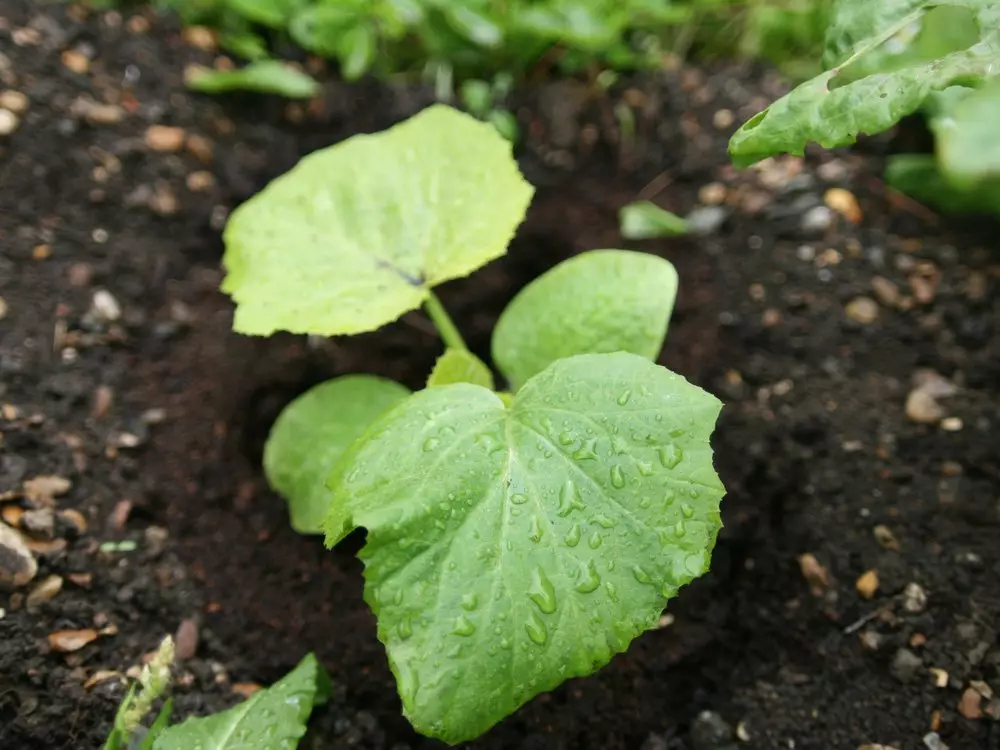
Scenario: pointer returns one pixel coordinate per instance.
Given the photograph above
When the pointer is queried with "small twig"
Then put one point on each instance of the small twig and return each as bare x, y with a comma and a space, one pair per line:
902, 201
857, 625
655, 186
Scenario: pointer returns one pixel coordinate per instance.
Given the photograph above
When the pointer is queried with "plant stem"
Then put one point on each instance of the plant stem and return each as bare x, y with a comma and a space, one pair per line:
439, 317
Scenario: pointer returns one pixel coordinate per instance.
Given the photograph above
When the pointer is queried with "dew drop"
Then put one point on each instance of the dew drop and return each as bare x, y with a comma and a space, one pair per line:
586, 451
617, 477
693, 493
612, 591
463, 626
569, 499
641, 575
603, 521
542, 592
679, 530
624, 397
645, 503
518, 499
572, 537
470, 602
687, 511
536, 529
536, 629
405, 628
618, 446
588, 579
670, 456
567, 438
431, 444
595, 540
645, 469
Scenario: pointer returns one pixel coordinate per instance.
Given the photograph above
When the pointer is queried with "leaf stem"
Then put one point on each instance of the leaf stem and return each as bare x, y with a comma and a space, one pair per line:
441, 320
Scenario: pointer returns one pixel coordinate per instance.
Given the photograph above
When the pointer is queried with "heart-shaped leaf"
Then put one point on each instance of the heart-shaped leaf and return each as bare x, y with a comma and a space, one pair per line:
356, 234
598, 302
460, 366
510, 549
313, 431
272, 718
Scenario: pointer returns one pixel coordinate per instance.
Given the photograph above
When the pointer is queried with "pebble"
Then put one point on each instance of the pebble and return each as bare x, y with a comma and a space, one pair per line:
923, 408
885, 537
17, 565
867, 584
165, 138
706, 220
940, 677
39, 522
9, 122
75, 61
933, 741
105, 307
200, 37
41, 491
186, 640
712, 194
970, 704
709, 731
96, 113
199, 182
844, 203
3, 308
14, 101
44, 591
886, 291
164, 201
814, 573
876, 746
67, 641
905, 665
914, 598
817, 219
863, 310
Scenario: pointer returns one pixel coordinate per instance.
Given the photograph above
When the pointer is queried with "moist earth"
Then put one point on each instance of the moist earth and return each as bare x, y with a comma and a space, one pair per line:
854, 595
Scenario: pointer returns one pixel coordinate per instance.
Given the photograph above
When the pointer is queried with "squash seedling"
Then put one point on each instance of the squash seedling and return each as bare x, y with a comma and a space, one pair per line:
515, 538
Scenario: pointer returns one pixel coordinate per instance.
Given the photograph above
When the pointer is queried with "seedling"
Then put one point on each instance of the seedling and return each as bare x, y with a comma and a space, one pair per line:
515, 538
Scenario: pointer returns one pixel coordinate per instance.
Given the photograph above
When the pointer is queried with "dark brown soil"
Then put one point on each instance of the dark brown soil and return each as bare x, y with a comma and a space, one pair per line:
158, 418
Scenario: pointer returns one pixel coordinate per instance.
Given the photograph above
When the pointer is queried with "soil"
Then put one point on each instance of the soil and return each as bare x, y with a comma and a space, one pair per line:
157, 413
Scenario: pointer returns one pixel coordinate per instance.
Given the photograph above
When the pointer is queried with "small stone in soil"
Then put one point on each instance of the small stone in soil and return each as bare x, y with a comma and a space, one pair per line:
67, 641
39, 522
186, 640
817, 220
17, 565
14, 101
923, 408
905, 665
706, 220
9, 122
710, 731
105, 307
844, 203
969, 705
914, 598
165, 138
886, 291
44, 591
863, 310
867, 584
933, 741
814, 573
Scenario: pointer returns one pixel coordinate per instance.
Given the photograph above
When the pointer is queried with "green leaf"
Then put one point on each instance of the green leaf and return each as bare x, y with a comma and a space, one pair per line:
272, 13
159, 725
320, 28
598, 302
509, 550
918, 176
358, 233
357, 51
313, 431
830, 114
460, 366
477, 96
272, 718
475, 26
262, 76
967, 142
645, 220
505, 123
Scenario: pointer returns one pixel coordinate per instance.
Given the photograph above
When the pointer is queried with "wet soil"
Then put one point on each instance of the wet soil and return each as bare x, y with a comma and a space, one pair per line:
156, 413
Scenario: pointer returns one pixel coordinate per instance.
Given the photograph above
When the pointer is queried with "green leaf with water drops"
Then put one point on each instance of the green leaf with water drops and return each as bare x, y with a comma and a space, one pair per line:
313, 431
646, 221
358, 233
460, 366
510, 549
272, 718
598, 302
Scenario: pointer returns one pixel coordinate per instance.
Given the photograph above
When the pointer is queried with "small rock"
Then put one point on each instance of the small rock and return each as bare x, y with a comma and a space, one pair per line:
844, 203
710, 731
3, 308
39, 522
200, 147
876, 746
817, 219
186, 640
969, 705
885, 537
246, 689
164, 201
723, 119
96, 113
75, 61
933, 741
199, 182
17, 565
41, 491
886, 291
44, 591
862, 310
105, 307
67, 641
14, 101
993, 709
9, 122
80, 274
706, 220
712, 194
952, 424
923, 408
814, 573
200, 37
940, 677
905, 665
914, 598
655, 742
982, 688
867, 584
165, 138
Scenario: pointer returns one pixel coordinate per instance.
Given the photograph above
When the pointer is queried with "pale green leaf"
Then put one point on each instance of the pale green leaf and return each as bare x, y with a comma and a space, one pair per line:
460, 366
645, 220
830, 114
313, 431
510, 549
967, 137
356, 234
262, 76
270, 719
597, 302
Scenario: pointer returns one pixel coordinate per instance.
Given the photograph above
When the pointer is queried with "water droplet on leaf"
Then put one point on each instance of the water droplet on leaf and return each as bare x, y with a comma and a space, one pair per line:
670, 456
641, 575
624, 397
569, 499
617, 477
572, 537
470, 602
536, 629
463, 626
595, 540
542, 592
536, 529
588, 579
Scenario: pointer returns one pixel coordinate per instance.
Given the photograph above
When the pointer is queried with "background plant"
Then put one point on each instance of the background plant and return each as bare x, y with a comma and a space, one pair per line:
515, 538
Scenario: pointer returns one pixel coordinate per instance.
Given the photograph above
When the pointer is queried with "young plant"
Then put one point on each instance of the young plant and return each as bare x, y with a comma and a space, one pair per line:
271, 718
515, 539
